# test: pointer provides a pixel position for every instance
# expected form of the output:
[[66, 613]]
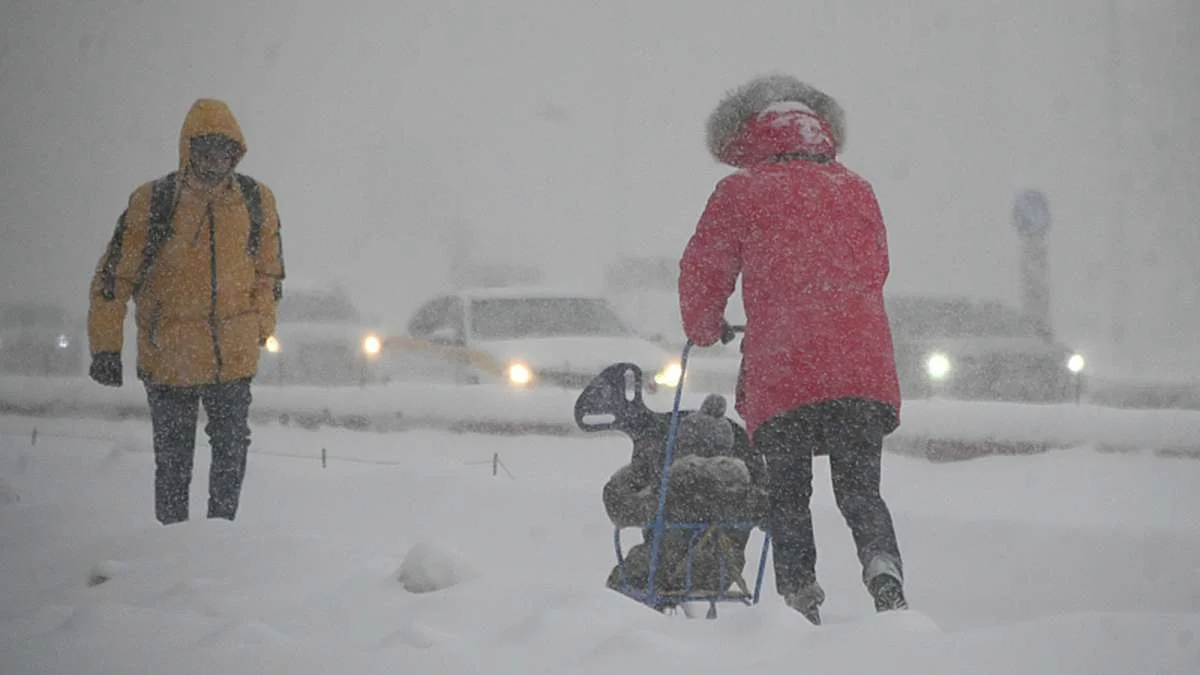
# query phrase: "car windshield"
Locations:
[[958, 319], [509, 318], [18, 316], [316, 308]]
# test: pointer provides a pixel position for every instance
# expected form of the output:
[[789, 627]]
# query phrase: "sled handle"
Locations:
[[668, 456], [672, 430]]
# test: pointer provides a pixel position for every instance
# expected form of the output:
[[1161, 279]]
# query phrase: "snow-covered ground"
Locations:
[[1074, 561]]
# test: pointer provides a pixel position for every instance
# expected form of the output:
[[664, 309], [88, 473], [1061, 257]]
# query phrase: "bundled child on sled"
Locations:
[[714, 478]]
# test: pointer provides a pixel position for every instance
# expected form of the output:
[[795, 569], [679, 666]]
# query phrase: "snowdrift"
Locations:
[[1075, 562], [936, 429]]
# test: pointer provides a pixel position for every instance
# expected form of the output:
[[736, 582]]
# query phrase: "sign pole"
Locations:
[[1031, 218]]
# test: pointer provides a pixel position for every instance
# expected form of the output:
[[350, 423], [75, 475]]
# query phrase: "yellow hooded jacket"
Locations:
[[207, 301]]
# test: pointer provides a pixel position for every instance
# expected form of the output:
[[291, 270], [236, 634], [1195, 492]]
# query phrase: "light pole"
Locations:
[[1118, 251]]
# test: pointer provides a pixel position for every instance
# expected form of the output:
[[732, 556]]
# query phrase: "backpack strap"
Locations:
[[112, 258], [158, 229], [253, 198], [252, 195]]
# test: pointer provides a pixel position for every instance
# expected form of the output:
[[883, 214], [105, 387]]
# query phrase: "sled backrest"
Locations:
[[613, 400]]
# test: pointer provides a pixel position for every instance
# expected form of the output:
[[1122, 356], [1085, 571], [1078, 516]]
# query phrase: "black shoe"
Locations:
[[810, 612], [807, 602], [888, 593]]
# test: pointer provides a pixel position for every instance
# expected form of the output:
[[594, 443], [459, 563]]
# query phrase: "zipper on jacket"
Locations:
[[212, 309]]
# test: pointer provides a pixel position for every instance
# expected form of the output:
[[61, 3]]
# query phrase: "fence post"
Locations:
[[323, 454], [495, 463], [33, 438]]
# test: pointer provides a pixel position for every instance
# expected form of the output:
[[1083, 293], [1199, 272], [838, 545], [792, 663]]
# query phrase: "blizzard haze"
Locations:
[[565, 133]]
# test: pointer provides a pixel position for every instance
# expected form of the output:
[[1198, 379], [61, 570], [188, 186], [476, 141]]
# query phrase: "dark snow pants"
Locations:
[[851, 432], [173, 413]]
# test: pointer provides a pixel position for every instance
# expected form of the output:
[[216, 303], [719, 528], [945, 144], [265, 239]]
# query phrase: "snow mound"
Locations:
[[106, 570], [431, 566], [251, 633]]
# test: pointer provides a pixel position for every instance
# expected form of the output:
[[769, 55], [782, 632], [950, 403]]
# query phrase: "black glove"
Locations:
[[106, 368], [727, 333]]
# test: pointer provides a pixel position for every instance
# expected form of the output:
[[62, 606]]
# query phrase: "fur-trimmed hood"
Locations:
[[730, 121]]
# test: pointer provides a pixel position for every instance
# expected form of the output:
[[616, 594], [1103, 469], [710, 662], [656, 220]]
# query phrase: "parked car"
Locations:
[[39, 339], [321, 338], [945, 346], [654, 314], [979, 350], [523, 337]]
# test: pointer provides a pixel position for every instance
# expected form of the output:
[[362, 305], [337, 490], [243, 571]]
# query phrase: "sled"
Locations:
[[615, 396]]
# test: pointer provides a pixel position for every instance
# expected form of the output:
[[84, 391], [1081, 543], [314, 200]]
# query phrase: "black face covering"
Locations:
[[212, 157]]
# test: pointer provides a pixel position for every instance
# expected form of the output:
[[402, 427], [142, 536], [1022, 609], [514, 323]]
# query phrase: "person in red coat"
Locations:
[[818, 373]]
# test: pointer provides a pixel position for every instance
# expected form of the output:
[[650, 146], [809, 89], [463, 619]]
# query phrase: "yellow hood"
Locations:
[[208, 116]]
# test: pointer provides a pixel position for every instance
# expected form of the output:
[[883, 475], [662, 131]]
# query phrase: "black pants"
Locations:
[[851, 432], [173, 413]]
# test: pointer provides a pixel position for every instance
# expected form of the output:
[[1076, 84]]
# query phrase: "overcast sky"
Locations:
[[562, 133]]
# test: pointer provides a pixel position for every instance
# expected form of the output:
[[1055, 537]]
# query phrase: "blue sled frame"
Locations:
[[649, 596]]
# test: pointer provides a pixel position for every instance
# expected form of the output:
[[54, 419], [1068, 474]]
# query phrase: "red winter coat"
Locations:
[[808, 238]]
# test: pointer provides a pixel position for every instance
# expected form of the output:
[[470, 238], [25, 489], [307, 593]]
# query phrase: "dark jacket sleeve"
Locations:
[[268, 270], [629, 501], [713, 490]]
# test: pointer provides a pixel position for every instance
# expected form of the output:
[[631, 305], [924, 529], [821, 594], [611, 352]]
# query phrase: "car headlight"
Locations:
[[938, 366], [372, 345], [63, 342], [272, 344], [519, 374], [1075, 363], [670, 375]]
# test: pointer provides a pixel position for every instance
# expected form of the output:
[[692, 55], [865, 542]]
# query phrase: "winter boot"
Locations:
[[807, 601], [885, 582], [888, 593]]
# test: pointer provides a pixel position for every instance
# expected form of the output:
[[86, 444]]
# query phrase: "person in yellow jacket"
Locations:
[[199, 253]]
